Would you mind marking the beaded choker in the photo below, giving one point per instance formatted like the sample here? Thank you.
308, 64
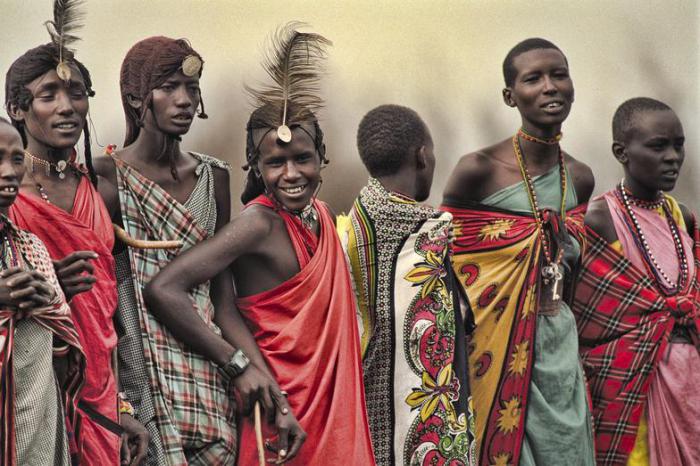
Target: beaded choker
551, 275
548, 141
58, 167
663, 281
646, 204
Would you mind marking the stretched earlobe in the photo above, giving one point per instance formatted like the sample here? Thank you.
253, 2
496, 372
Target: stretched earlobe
15, 112
134, 102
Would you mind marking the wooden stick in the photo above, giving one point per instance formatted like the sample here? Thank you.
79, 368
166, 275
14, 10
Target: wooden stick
259, 435
124, 237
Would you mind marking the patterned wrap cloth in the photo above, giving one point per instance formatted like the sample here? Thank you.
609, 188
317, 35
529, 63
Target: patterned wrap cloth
412, 330
307, 333
87, 227
193, 408
497, 258
625, 325
27, 435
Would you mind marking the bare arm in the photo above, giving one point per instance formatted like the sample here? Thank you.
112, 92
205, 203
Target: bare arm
599, 220
582, 178
468, 178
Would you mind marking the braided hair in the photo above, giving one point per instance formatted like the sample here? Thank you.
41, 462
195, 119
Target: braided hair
35, 63
268, 117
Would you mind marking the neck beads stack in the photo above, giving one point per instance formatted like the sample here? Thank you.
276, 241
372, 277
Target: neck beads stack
663, 281
551, 275
47, 167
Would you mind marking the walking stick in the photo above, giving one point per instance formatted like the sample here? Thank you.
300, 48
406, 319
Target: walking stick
259, 435
124, 237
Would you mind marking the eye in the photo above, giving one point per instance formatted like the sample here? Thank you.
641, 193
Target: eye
561, 74
274, 163
46, 96
167, 87
18, 159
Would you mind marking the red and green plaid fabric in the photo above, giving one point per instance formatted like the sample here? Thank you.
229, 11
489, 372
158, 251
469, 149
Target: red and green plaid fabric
624, 326
194, 411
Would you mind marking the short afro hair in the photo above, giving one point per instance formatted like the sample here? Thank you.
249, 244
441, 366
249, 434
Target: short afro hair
386, 135
624, 117
534, 43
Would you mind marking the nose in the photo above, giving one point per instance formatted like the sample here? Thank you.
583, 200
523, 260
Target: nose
291, 171
549, 87
64, 104
182, 97
7, 170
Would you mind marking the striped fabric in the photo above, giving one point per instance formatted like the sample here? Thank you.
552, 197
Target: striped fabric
193, 410
23, 249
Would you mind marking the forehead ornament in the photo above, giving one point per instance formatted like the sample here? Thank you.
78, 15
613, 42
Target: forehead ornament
191, 65
63, 71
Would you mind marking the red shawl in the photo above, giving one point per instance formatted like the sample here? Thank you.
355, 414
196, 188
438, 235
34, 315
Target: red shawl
307, 331
624, 325
55, 318
497, 258
88, 227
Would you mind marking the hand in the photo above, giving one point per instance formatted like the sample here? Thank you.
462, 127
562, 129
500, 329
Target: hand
288, 431
135, 440
75, 272
255, 385
25, 289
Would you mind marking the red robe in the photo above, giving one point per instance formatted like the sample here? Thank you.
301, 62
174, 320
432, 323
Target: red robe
307, 331
88, 227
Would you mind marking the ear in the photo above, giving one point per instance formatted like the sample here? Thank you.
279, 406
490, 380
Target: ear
620, 152
15, 112
508, 97
421, 158
134, 102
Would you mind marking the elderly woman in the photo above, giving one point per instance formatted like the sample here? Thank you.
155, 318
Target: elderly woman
518, 208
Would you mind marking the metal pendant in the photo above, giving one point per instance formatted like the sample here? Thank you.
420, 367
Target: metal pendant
63, 71
284, 134
60, 168
191, 65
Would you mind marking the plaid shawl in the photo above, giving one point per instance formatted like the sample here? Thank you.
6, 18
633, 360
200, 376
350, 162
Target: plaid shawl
624, 326
30, 253
497, 259
193, 409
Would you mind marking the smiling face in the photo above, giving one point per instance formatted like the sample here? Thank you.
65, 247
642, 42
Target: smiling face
290, 172
174, 104
652, 153
11, 165
56, 115
542, 90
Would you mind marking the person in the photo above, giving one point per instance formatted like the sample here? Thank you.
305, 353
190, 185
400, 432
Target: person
291, 278
157, 191
46, 95
518, 210
411, 323
637, 300
36, 330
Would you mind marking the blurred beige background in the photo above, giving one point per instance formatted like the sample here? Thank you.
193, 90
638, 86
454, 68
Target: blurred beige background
442, 58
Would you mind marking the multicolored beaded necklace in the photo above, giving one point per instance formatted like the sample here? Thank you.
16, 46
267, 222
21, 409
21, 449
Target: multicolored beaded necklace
547, 141
550, 271
663, 281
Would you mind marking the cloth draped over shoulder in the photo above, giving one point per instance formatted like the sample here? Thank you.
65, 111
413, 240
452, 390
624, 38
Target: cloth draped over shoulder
87, 228
625, 325
497, 258
29, 253
307, 333
193, 411
412, 328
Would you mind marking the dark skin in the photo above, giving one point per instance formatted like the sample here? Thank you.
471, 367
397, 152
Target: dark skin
256, 247
543, 93
652, 154
415, 177
53, 125
173, 105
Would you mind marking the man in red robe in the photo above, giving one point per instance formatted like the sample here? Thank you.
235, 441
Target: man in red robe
293, 289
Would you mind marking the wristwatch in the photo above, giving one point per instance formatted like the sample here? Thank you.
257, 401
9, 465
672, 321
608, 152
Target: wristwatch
236, 365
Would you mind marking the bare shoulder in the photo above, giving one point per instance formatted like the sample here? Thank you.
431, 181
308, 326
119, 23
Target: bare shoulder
599, 220
472, 171
104, 167
582, 177
688, 217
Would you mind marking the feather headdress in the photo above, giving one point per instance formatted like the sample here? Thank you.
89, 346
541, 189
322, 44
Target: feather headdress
67, 18
294, 61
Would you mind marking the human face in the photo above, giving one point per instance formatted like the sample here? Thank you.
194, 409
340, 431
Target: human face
56, 116
424, 175
175, 102
291, 172
653, 153
11, 165
542, 90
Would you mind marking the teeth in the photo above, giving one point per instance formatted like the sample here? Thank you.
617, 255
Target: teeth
295, 190
67, 125
9, 189
553, 105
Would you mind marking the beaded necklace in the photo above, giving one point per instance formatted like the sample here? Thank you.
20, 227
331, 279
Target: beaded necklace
663, 281
59, 167
547, 141
550, 271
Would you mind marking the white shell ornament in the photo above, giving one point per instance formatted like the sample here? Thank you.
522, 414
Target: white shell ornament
284, 134
63, 71
191, 65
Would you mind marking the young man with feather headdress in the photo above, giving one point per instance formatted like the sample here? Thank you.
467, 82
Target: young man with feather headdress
47, 92
292, 282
